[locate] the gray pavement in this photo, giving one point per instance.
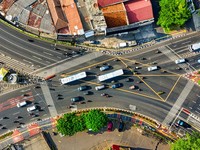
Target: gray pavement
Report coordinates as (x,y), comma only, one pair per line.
(66,65)
(178,104)
(49,100)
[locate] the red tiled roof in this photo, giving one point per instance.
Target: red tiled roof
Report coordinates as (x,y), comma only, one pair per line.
(56,14)
(103,3)
(138,10)
(115,15)
(71,12)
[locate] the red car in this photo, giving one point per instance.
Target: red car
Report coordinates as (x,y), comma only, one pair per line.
(110,126)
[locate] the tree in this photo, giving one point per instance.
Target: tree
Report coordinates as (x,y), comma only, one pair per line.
(173,13)
(95,120)
(70,123)
(191,142)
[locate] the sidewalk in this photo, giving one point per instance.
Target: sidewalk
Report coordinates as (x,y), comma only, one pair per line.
(35,128)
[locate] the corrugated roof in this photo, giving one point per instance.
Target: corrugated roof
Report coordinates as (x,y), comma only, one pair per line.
(115,15)
(138,10)
(57,14)
(103,3)
(71,12)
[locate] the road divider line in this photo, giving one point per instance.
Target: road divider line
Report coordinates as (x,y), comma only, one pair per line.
(144,82)
(69,73)
(172,88)
(143,95)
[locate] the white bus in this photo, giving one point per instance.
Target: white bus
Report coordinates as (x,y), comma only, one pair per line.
(72,78)
(194,47)
(110,75)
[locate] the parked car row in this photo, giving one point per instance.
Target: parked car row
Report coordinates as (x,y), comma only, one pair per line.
(120,127)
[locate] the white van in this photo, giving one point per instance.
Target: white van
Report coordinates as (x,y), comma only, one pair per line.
(21,104)
(152,68)
(32,108)
(101,87)
(180,61)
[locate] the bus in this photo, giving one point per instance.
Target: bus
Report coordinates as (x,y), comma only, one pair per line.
(194,47)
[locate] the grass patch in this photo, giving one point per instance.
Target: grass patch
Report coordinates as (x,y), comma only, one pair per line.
(6,135)
(199,82)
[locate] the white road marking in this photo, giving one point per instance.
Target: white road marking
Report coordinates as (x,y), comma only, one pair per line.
(44,115)
(190,107)
(193,101)
(16,113)
(198,108)
(37,57)
(25,90)
(29,42)
(197,112)
(186,42)
(47,53)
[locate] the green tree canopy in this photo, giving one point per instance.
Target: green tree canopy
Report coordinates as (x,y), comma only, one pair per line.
(173,13)
(95,120)
(191,142)
(70,123)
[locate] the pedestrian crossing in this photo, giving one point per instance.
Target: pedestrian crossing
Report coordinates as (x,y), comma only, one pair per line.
(16,65)
(178,104)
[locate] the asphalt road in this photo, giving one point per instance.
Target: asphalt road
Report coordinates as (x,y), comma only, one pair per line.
(13,113)
(31,51)
(147,100)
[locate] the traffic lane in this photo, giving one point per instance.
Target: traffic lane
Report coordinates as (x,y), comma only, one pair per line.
(192,103)
(21,116)
(35,47)
(7,32)
(193,61)
(186,41)
(119,99)
(21,48)
(25,53)
(177,90)
(21,57)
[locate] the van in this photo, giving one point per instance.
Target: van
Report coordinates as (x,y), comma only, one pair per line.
(103,68)
(32,108)
(179,61)
(101,87)
(21,104)
(152,68)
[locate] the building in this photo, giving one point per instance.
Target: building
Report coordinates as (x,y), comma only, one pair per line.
(65,17)
(126,15)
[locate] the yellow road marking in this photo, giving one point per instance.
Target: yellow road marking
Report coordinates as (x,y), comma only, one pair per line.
(122,58)
(144,82)
(151,75)
(172,88)
(90,66)
(93,83)
(138,94)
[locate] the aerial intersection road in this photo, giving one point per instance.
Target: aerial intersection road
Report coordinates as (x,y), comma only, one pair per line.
(178,92)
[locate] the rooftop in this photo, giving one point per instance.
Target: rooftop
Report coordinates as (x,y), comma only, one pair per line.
(103,3)
(138,10)
(71,12)
(115,15)
(57,15)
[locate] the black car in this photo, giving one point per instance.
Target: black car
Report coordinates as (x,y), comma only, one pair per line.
(183,124)
(117,85)
(121,126)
